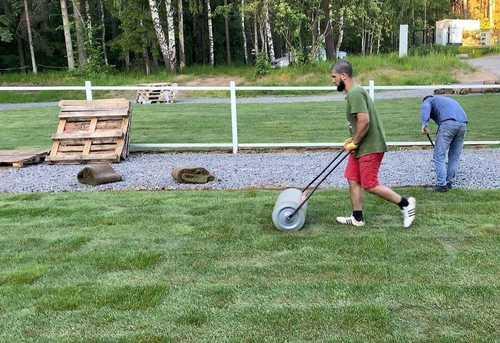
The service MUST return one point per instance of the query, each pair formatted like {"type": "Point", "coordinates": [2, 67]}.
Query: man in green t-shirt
{"type": "Point", "coordinates": [366, 147]}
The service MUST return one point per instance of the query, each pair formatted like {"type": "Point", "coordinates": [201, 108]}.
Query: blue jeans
{"type": "Point", "coordinates": [449, 143]}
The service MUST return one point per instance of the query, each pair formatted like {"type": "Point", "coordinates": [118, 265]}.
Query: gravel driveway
{"type": "Point", "coordinates": [480, 169]}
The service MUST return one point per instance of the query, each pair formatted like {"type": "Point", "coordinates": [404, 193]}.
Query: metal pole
{"type": "Point", "coordinates": [88, 90]}
{"type": "Point", "coordinates": [371, 86]}
{"type": "Point", "coordinates": [234, 116]}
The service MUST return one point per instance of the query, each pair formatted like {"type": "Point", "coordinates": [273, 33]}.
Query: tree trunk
{"type": "Point", "coordinates": [89, 21]}
{"type": "Point", "coordinates": [182, 53]}
{"type": "Point", "coordinates": [210, 34]}
{"type": "Point", "coordinates": [162, 42]}
{"type": "Point", "coordinates": [327, 28]}
{"type": "Point", "coordinates": [67, 35]}
{"type": "Point", "coordinates": [245, 49]}
{"type": "Point", "coordinates": [103, 32]}
{"type": "Point", "coordinates": [341, 32]}
{"type": "Point", "coordinates": [269, 35]}
{"type": "Point", "coordinates": [171, 36]}
{"type": "Point", "coordinates": [30, 38]}
{"type": "Point", "coordinates": [228, 41]}
{"type": "Point", "coordinates": [145, 55]}
{"type": "Point", "coordinates": [127, 60]}
{"type": "Point", "coordinates": [154, 58]}
{"type": "Point", "coordinates": [256, 36]}
{"type": "Point", "coordinates": [20, 51]}
{"type": "Point", "coordinates": [80, 40]}
{"type": "Point", "coordinates": [263, 40]}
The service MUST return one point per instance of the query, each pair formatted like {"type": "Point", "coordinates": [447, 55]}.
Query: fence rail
{"type": "Point", "coordinates": [232, 89]}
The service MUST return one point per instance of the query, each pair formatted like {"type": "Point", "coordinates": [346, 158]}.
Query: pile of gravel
{"type": "Point", "coordinates": [480, 169]}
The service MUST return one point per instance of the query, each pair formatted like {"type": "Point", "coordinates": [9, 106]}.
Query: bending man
{"type": "Point", "coordinates": [452, 121]}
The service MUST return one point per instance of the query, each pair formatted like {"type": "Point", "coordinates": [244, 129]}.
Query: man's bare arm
{"type": "Point", "coordinates": [362, 125]}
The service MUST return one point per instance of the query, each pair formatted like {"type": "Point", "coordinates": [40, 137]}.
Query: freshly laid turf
{"type": "Point", "coordinates": [257, 123]}
{"type": "Point", "coordinates": [209, 266]}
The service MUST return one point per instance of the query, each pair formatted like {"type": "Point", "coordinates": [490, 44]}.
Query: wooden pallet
{"type": "Point", "coordinates": [152, 93]}
{"type": "Point", "coordinates": [21, 158]}
{"type": "Point", "coordinates": [92, 131]}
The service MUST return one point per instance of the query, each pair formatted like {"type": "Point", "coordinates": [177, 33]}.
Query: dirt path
{"type": "Point", "coordinates": [487, 69]}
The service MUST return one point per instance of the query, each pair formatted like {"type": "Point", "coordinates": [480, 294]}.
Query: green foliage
{"type": "Point", "coordinates": [262, 65]}
{"type": "Point", "coordinates": [5, 33]}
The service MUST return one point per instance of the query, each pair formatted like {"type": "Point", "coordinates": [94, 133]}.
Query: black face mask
{"type": "Point", "coordinates": [341, 86]}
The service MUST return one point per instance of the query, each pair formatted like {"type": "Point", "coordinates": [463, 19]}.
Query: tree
{"type": "Point", "coordinates": [210, 34]}
{"type": "Point", "coordinates": [269, 35]}
{"type": "Point", "coordinates": [159, 32]}
{"type": "Point", "coordinates": [171, 36]}
{"type": "Point", "coordinates": [30, 38]}
{"type": "Point", "coordinates": [67, 35]}
{"type": "Point", "coordinates": [103, 32]}
{"type": "Point", "coordinates": [80, 35]}
{"type": "Point", "coordinates": [226, 29]}
{"type": "Point", "coordinates": [243, 32]}
{"type": "Point", "coordinates": [182, 53]}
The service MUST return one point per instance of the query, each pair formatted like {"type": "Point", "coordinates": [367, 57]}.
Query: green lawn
{"type": "Point", "coordinates": [258, 123]}
{"type": "Point", "coordinates": [209, 266]}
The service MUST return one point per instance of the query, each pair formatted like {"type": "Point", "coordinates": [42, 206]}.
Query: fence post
{"type": "Point", "coordinates": [88, 90]}
{"type": "Point", "coordinates": [371, 89]}
{"type": "Point", "coordinates": [234, 116]}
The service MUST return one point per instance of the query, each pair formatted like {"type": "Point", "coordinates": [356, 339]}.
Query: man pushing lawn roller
{"type": "Point", "coordinates": [365, 150]}
{"type": "Point", "coordinates": [366, 147]}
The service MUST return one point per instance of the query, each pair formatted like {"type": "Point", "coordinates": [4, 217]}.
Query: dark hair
{"type": "Point", "coordinates": [343, 67]}
{"type": "Point", "coordinates": [427, 97]}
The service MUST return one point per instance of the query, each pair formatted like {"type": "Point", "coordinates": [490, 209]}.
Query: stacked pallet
{"type": "Point", "coordinates": [156, 93]}
{"type": "Point", "coordinates": [92, 131]}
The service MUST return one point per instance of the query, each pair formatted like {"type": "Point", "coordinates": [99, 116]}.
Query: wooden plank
{"type": "Point", "coordinates": [71, 148]}
{"type": "Point", "coordinates": [109, 124]}
{"type": "Point", "coordinates": [101, 103]}
{"type": "Point", "coordinates": [81, 157]}
{"type": "Point", "coordinates": [88, 143]}
{"type": "Point", "coordinates": [92, 114]}
{"type": "Point", "coordinates": [88, 135]}
{"type": "Point", "coordinates": [82, 141]}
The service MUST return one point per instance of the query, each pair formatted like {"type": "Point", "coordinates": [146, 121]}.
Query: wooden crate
{"type": "Point", "coordinates": [153, 93]}
{"type": "Point", "coordinates": [92, 131]}
{"type": "Point", "coordinates": [21, 158]}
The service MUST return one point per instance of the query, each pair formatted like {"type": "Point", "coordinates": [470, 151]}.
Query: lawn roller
{"type": "Point", "coordinates": [289, 213]}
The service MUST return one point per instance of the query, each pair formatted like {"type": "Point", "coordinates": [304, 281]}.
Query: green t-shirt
{"type": "Point", "coordinates": [358, 101]}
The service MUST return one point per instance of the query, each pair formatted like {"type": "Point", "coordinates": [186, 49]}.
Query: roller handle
{"type": "Point", "coordinates": [319, 183]}
{"type": "Point", "coordinates": [430, 140]}
{"type": "Point", "coordinates": [328, 166]}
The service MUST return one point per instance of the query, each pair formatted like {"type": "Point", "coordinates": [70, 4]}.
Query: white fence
{"type": "Point", "coordinates": [88, 88]}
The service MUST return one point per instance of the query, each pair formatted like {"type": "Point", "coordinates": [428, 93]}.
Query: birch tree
{"type": "Point", "coordinates": [243, 32]}
{"type": "Point", "coordinates": [269, 35]}
{"type": "Point", "coordinates": [80, 35]}
{"type": "Point", "coordinates": [182, 53]}
{"type": "Point", "coordinates": [160, 35]}
{"type": "Point", "coordinates": [210, 35]}
{"type": "Point", "coordinates": [67, 35]}
{"type": "Point", "coordinates": [172, 51]}
{"type": "Point", "coordinates": [30, 38]}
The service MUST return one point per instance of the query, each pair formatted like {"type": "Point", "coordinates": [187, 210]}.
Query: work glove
{"type": "Point", "coordinates": [348, 140]}
{"type": "Point", "coordinates": [349, 146]}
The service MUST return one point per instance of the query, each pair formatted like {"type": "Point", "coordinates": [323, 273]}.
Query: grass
{"type": "Point", "coordinates": [209, 266]}
{"type": "Point", "coordinates": [387, 69]}
{"type": "Point", "coordinates": [258, 123]}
